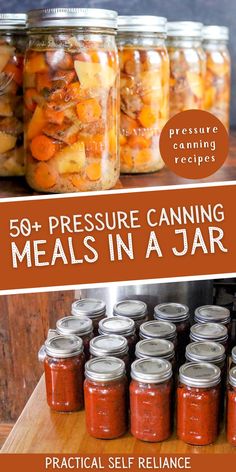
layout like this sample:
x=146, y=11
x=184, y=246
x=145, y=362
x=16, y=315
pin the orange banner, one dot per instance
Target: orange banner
x=75, y=240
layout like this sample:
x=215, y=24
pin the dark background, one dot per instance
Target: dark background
x=222, y=12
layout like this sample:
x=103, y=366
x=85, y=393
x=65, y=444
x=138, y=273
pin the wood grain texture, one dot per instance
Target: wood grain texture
x=5, y=429
x=38, y=430
x=24, y=322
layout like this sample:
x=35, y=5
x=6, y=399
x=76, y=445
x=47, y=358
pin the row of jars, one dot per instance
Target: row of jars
x=72, y=104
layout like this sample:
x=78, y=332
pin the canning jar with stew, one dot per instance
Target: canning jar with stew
x=111, y=345
x=105, y=395
x=231, y=408
x=64, y=373
x=134, y=309
x=198, y=400
x=218, y=72
x=187, y=66
x=213, y=314
x=150, y=399
x=144, y=91
x=12, y=48
x=82, y=327
x=207, y=351
x=90, y=307
x=121, y=326
x=71, y=79
x=158, y=330
x=161, y=348
x=209, y=332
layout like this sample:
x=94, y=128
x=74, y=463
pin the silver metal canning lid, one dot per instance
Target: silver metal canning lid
x=155, y=348
x=214, y=32
x=74, y=325
x=13, y=21
x=64, y=346
x=108, y=345
x=212, y=313
x=192, y=29
x=151, y=370
x=211, y=331
x=232, y=376
x=104, y=369
x=142, y=24
x=206, y=351
x=174, y=312
x=117, y=325
x=134, y=309
x=90, y=307
x=200, y=375
x=81, y=17
x=233, y=354
x=158, y=329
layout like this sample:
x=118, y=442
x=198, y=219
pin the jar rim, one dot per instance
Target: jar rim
x=63, y=346
x=13, y=21
x=151, y=370
x=206, y=351
x=134, y=309
x=142, y=24
x=167, y=330
x=212, y=331
x=233, y=354
x=153, y=348
x=192, y=29
x=232, y=376
x=108, y=345
x=106, y=368
x=199, y=374
x=74, y=325
x=215, y=32
x=117, y=325
x=171, y=311
x=212, y=313
x=81, y=17
x=90, y=307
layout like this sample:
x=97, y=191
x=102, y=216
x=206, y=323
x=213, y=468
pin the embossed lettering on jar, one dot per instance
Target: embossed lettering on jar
x=231, y=407
x=90, y=307
x=82, y=327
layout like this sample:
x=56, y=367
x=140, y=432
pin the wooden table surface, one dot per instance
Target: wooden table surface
x=38, y=430
x=17, y=187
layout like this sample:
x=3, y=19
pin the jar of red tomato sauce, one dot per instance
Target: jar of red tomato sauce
x=231, y=408
x=71, y=79
x=90, y=307
x=209, y=332
x=161, y=348
x=111, y=345
x=12, y=47
x=150, y=399
x=64, y=373
x=82, y=327
x=105, y=394
x=134, y=309
x=121, y=326
x=158, y=330
x=213, y=314
x=144, y=92
x=207, y=351
x=198, y=400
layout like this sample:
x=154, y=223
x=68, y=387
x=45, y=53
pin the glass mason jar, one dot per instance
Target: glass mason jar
x=158, y=330
x=111, y=345
x=161, y=348
x=198, y=400
x=134, y=309
x=105, y=395
x=82, y=327
x=71, y=79
x=144, y=92
x=121, y=326
x=92, y=308
x=213, y=314
x=187, y=66
x=12, y=47
x=233, y=357
x=218, y=72
x=207, y=351
x=64, y=373
x=231, y=408
x=209, y=332
x=151, y=399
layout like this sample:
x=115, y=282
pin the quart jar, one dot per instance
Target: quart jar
x=82, y=327
x=213, y=314
x=158, y=330
x=12, y=47
x=198, y=400
x=218, y=72
x=111, y=345
x=207, y=351
x=71, y=79
x=105, y=394
x=150, y=399
x=144, y=92
x=231, y=408
x=209, y=332
x=64, y=373
x=161, y=348
x=92, y=308
x=187, y=66
x=121, y=326
x=134, y=309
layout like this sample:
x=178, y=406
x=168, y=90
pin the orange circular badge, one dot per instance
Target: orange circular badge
x=194, y=144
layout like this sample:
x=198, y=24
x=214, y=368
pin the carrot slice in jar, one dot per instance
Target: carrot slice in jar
x=89, y=110
x=44, y=176
x=94, y=171
x=143, y=156
x=138, y=142
x=14, y=72
x=53, y=115
x=29, y=96
x=36, y=63
x=42, y=148
x=43, y=81
x=128, y=124
x=147, y=116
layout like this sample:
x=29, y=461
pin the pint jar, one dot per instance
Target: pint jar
x=111, y=345
x=187, y=66
x=161, y=348
x=12, y=47
x=82, y=327
x=150, y=399
x=105, y=394
x=209, y=332
x=218, y=71
x=64, y=373
x=71, y=79
x=144, y=92
x=158, y=330
x=134, y=309
x=198, y=400
x=231, y=408
x=90, y=307
x=121, y=326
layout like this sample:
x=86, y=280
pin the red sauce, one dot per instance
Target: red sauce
x=198, y=414
x=150, y=410
x=64, y=382
x=106, y=408
x=231, y=415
